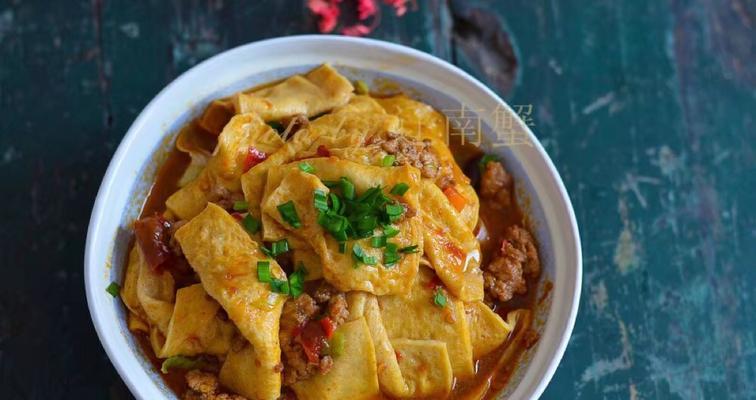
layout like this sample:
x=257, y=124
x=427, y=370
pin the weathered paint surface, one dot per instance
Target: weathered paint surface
x=646, y=107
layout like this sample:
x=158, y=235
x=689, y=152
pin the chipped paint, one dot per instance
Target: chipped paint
x=627, y=248
x=9, y=155
x=626, y=252
x=598, y=103
x=599, y=297
x=130, y=29
x=604, y=367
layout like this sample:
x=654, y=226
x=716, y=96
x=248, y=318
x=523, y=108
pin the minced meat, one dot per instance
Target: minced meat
x=410, y=151
x=496, y=185
x=204, y=386
x=505, y=275
x=301, y=330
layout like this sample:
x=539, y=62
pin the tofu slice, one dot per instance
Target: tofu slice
x=354, y=375
x=425, y=367
x=225, y=258
x=225, y=167
x=195, y=327
x=316, y=92
x=415, y=316
x=450, y=245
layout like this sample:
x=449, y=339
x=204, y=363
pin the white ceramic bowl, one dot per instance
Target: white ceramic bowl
x=434, y=81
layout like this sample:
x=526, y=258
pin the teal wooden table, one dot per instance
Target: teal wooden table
x=646, y=107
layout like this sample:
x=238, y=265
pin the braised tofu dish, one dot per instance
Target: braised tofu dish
x=308, y=239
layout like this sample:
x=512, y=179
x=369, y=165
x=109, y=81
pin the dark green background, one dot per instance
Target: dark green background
x=646, y=107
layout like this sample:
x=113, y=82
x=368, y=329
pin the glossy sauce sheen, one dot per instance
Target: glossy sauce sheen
x=492, y=371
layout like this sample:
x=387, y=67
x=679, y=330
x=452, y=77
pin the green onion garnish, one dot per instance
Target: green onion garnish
x=306, y=167
x=359, y=255
x=336, y=344
x=394, y=212
x=378, y=241
x=263, y=271
x=388, y=160
x=250, y=224
x=366, y=223
x=390, y=231
x=347, y=188
x=276, y=125
x=279, y=286
x=289, y=213
x=409, y=249
x=296, y=281
x=390, y=255
x=279, y=247
x=439, y=299
x=336, y=203
x=487, y=159
x=400, y=189
x=342, y=247
x=181, y=362
x=331, y=184
x=360, y=87
x=114, y=289
x=320, y=200
x=394, y=209
x=241, y=205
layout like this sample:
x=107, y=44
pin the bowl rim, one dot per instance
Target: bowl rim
x=93, y=271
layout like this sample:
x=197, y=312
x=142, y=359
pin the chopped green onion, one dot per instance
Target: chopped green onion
x=296, y=281
x=388, y=160
x=439, y=298
x=366, y=223
x=390, y=255
x=359, y=255
x=181, y=362
x=336, y=203
x=276, y=125
x=400, y=189
x=342, y=247
x=334, y=223
x=390, y=231
x=114, y=289
x=241, y=205
x=336, y=344
x=409, y=249
x=266, y=251
x=340, y=236
x=394, y=209
x=306, y=167
x=320, y=200
x=279, y=247
x=289, y=213
x=487, y=159
x=347, y=188
x=250, y=224
x=331, y=184
x=263, y=271
x=360, y=87
x=279, y=286
x=378, y=241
